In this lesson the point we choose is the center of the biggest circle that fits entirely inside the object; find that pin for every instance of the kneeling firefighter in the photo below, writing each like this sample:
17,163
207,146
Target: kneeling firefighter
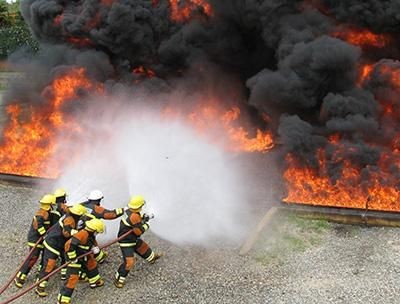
80,243
54,243
40,224
133,220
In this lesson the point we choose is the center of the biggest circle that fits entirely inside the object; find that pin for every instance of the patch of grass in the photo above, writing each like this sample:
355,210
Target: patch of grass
289,234
266,259
295,242
318,226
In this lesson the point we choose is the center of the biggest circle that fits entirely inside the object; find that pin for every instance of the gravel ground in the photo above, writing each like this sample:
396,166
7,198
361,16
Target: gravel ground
295,261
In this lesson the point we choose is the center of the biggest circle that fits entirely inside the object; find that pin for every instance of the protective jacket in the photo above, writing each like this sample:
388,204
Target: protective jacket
40,224
79,243
57,213
96,211
131,221
62,231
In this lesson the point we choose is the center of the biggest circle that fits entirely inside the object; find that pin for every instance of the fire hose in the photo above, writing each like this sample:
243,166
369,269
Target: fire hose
18,295
22,264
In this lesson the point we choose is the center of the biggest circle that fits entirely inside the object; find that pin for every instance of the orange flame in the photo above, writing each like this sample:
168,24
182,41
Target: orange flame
183,11
210,121
313,186
29,139
363,38
80,42
393,74
375,188
144,72
365,72
29,145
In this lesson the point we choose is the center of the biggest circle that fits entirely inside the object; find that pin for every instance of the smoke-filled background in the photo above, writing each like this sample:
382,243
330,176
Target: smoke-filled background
321,78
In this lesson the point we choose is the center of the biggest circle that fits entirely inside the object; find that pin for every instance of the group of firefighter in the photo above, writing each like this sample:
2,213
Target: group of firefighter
62,233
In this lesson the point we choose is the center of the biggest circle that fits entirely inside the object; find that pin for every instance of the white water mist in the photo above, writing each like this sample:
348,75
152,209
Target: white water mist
193,187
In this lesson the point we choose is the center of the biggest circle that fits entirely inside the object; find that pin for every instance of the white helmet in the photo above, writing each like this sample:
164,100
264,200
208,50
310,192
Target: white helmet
95,195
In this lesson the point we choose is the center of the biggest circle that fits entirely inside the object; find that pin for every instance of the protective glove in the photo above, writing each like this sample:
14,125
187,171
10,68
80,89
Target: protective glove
146,217
96,250
80,225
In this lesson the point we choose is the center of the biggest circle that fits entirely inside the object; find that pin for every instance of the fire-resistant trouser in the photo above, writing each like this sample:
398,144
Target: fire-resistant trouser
31,261
49,257
90,265
69,285
139,247
62,262
99,256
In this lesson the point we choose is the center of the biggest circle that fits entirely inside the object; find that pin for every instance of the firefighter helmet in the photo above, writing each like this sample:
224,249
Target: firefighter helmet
77,209
136,202
60,193
95,225
95,195
48,199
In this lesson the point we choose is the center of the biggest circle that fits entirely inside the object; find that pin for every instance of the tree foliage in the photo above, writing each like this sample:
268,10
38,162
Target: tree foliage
5,18
14,33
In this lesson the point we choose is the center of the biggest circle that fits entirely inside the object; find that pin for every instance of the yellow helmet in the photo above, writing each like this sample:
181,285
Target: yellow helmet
95,225
48,199
78,209
60,192
136,202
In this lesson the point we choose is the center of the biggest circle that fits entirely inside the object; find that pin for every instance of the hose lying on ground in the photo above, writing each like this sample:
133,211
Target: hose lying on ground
18,295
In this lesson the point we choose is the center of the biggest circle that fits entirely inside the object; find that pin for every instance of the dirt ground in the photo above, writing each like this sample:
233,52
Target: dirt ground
294,261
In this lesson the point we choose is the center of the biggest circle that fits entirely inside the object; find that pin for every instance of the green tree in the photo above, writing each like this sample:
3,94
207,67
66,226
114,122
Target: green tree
14,33
5,19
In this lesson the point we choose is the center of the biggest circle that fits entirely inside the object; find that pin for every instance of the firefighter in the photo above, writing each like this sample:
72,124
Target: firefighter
133,221
94,210
40,224
54,243
56,214
61,205
80,243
